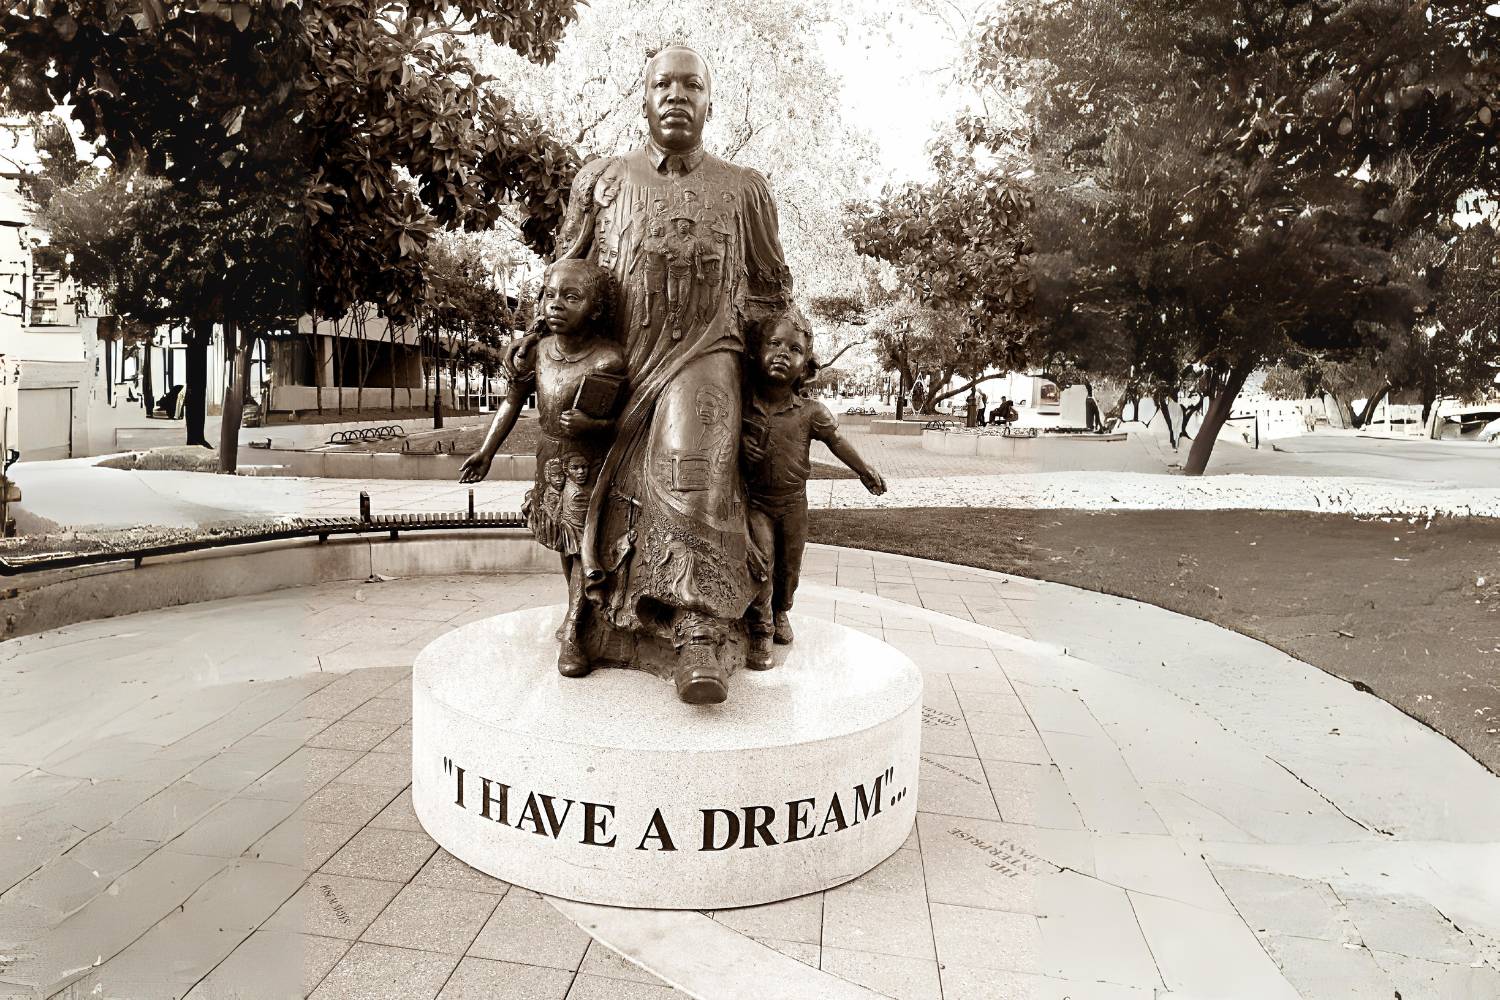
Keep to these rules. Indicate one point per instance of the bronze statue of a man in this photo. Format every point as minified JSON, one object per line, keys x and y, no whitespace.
{"x":665,"y":549}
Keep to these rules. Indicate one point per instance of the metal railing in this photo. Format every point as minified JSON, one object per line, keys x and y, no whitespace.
{"x":355,"y":435}
{"x":321,"y":528}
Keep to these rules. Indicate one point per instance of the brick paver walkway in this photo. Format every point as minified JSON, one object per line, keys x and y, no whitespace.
{"x":1115,"y":802}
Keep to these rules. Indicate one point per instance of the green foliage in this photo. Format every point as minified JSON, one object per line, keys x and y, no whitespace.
{"x":1411,"y":90}
{"x":353,"y":128}
{"x":405,"y":136}
{"x":465,"y":317}
{"x":1465,"y":348}
{"x":960,"y":247}
{"x":1179,"y":227}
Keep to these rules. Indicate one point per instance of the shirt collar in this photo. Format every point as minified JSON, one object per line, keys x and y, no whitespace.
{"x":770,"y":409}
{"x":681,"y":163}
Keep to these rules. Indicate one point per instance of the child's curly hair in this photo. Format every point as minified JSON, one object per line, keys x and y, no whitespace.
{"x":793,"y":316}
{"x":601,"y":286}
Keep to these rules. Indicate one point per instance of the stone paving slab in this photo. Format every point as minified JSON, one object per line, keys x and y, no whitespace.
{"x":1115,"y":802}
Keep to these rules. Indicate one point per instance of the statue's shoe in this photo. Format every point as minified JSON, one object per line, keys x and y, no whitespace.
{"x":758,"y":656}
{"x":783,"y":629}
{"x":571,"y":659}
{"x":700,"y":678}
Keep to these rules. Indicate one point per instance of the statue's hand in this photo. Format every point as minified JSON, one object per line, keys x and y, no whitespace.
{"x":519,"y":356}
{"x":475,"y":468}
{"x":873,"y":480}
{"x":752,"y":449}
{"x":575,"y":422}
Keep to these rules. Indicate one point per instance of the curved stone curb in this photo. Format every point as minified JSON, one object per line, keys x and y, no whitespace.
{"x":702,"y":957}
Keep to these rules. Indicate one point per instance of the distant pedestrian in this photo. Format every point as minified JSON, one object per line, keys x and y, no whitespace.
{"x":1005,"y":414}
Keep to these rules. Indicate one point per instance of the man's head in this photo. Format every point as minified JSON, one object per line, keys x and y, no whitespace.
{"x":684,"y":225}
{"x":678,"y":99}
{"x":711,"y":404}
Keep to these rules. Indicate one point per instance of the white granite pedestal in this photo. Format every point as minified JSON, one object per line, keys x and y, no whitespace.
{"x":607,"y":789}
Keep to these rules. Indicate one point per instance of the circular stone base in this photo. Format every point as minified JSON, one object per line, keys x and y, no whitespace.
{"x":607,"y":789}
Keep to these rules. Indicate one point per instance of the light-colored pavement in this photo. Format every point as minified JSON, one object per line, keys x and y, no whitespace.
{"x":1345,"y":453}
{"x":1116,"y":802}
{"x":1070,"y":475}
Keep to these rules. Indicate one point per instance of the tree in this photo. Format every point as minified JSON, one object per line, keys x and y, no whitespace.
{"x":1163,"y":221}
{"x":349,"y":130}
{"x":960,"y":248}
{"x":1463,"y":355}
{"x":1452,"y":351}
{"x":1408,"y":92}
{"x":776,"y":107}
{"x":464,"y":318}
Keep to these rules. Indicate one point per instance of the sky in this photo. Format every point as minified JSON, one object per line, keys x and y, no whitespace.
{"x":896,"y":86}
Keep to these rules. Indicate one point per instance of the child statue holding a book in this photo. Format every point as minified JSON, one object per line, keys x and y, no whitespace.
{"x":577,"y":371}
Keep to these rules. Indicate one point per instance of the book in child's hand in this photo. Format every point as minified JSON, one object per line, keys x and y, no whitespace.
{"x":597,"y":392}
{"x":756,"y":431}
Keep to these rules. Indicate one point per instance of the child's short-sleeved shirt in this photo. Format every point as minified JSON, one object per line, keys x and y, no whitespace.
{"x":794,"y":424}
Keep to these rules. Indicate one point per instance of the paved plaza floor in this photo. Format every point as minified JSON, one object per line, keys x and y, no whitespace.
{"x":1115,"y":802}
{"x":1364,"y":477}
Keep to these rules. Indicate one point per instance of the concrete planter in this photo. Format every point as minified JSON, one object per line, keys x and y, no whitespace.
{"x":39,"y":601}
{"x":901,"y":428}
{"x":970,"y":443}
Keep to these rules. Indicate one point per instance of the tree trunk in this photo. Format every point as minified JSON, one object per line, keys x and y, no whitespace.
{"x":901,"y":392}
{"x":391,"y":364}
{"x":147,"y":387}
{"x":1218,"y":411}
{"x":1115,"y":415}
{"x":1344,"y":408}
{"x":336,"y":354}
{"x":437,"y":389}
{"x":317,"y":365}
{"x":929,"y":405}
{"x":358,"y":324}
{"x":234,"y":397}
{"x":1362,"y":418}
{"x":963,"y":388}
{"x":1429,"y":391}
{"x":195,"y":390}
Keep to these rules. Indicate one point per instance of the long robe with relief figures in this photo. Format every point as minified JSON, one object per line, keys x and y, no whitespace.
{"x":693,"y":243}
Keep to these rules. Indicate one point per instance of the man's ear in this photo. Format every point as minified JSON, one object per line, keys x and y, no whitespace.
{"x":710,"y":112}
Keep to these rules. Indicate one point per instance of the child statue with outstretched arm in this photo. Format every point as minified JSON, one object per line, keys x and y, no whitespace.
{"x":776,"y":444}
{"x":577,"y":371}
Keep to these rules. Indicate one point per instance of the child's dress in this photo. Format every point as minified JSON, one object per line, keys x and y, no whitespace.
{"x":555,"y":378}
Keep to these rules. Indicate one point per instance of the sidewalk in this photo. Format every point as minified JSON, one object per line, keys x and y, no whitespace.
{"x":1116,"y":802}
{"x":76,"y":494}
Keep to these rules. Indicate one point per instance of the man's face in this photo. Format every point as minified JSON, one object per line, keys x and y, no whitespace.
{"x":683,"y":226}
{"x":566,"y":300}
{"x":678,"y":100}
{"x":711,"y":405}
{"x":784,"y":354}
{"x":578,"y":470}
